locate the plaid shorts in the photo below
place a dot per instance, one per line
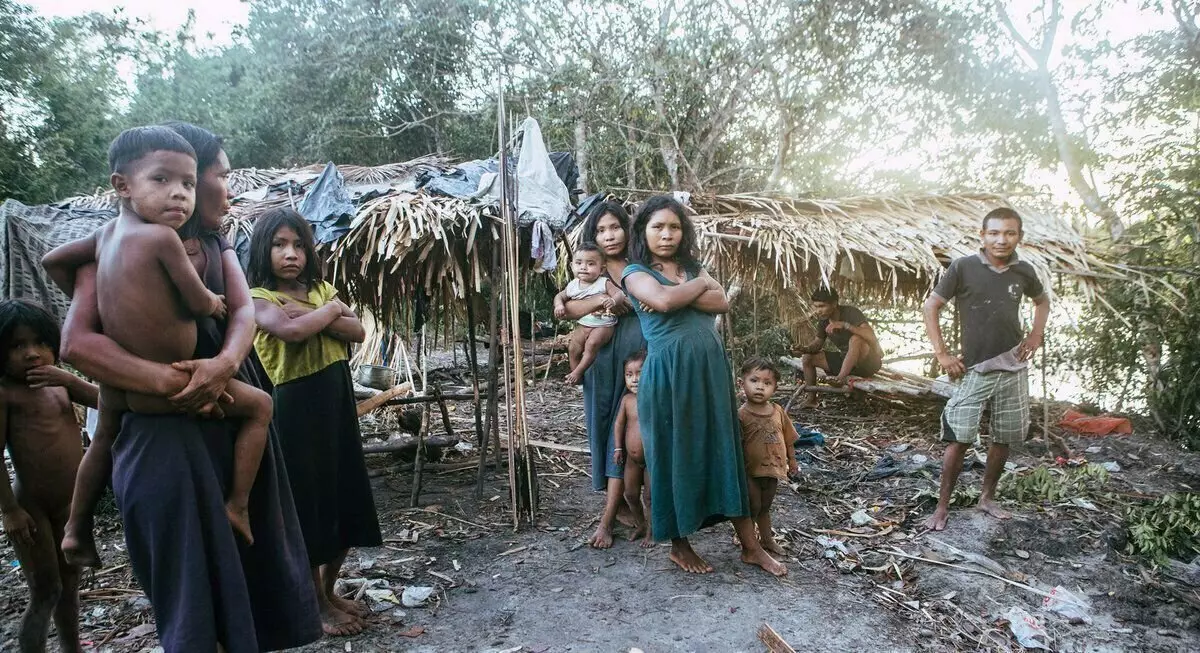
(1005, 393)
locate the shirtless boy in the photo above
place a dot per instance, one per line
(38, 425)
(629, 450)
(595, 330)
(987, 288)
(149, 296)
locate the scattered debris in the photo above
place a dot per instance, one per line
(774, 643)
(1028, 631)
(1069, 605)
(414, 597)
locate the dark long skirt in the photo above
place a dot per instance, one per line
(322, 448)
(170, 476)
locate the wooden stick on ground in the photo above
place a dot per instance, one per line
(775, 643)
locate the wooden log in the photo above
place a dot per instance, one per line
(367, 405)
(409, 444)
(430, 398)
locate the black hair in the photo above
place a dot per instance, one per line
(590, 247)
(1003, 213)
(639, 251)
(208, 147)
(637, 356)
(825, 295)
(260, 272)
(756, 364)
(597, 212)
(22, 312)
(132, 144)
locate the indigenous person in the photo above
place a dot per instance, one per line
(604, 382)
(169, 472)
(857, 349)
(768, 441)
(142, 267)
(593, 330)
(38, 426)
(685, 397)
(303, 336)
(630, 451)
(987, 288)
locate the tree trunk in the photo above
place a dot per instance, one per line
(670, 156)
(631, 162)
(581, 154)
(783, 149)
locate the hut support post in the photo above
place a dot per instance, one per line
(492, 429)
(473, 357)
(419, 462)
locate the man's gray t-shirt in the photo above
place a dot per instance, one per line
(988, 301)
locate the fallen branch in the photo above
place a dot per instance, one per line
(367, 405)
(775, 643)
(981, 572)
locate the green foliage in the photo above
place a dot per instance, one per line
(1046, 484)
(1166, 528)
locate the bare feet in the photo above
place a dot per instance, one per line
(648, 542)
(687, 559)
(770, 545)
(352, 608)
(812, 402)
(79, 547)
(239, 518)
(602, 538)
(574, 378)
(937, 521)
(639, 531)
(336, 623)
(625, 516)
(992, 508)
(763, 559)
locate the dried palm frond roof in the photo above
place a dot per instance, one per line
(887, 247)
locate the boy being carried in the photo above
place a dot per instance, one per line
(38, 425)
(595, 330)
(986, 288)
(768, 444)
(149, 296)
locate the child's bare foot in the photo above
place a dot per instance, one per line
(352, 608)
(638, 531)
(648, 542)
(574, 379)
(602, 538)
(770, 545)
(937, 521)
(992, 508)
(763, 559)
(239, 518)
(336, 623)
(812, 403)
(688, 560)
(625, 516)
(79, 547)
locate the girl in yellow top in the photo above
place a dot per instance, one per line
(302, 341)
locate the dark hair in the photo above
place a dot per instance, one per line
(22, 312)
(1003, 213)
(825, 295)
(590, 247)
(260, 272)
(756, 364)
(639, 251)
(597, 212)
(132, 144)
(208, 147)
(635, 357)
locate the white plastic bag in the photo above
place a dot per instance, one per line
(1028, 631)
(541, 195)
(1072, 606)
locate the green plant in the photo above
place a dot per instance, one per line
(1166, 528)
(1050, 484)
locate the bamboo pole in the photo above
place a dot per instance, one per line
(419, 461)
(473, 358)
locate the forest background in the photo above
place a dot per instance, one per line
(1087, 109)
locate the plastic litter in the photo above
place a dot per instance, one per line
(1072, 606)
(919, 459)
(1111, 466)
(1085, 504)
(808, 437)
(416, 596)
(900, 448)
(1028, 631)
(861, 518)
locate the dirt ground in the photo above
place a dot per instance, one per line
(849, 589)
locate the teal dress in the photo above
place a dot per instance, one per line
(688, 415)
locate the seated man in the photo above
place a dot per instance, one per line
(858, 351)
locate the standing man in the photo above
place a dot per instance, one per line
(986, 288)
(858, 351)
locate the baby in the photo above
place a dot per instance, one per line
(628, 449)
(595, 329)
(768, 441)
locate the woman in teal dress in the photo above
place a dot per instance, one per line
(686, 406)
(607, 227)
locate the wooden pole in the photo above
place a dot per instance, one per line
(473, 357)
(419, 461)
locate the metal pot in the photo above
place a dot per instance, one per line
(376, 376)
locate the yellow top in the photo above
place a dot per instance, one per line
(290, 361)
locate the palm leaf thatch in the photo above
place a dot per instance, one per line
(886, 248)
